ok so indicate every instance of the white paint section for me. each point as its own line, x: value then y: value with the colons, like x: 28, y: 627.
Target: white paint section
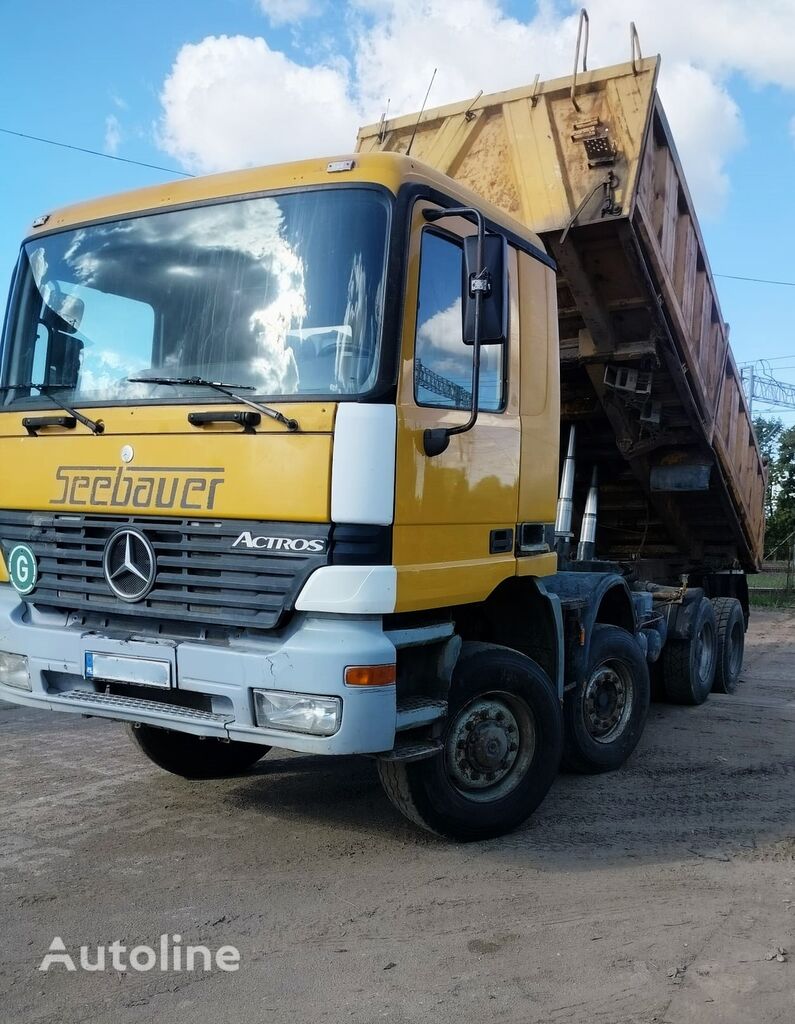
x: 363, y: 464
x: 350, y: 590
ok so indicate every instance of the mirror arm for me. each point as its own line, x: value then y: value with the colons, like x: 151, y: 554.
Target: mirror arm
x: 436, y: 440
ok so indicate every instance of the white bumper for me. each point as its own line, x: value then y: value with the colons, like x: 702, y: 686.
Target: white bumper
x: 308, y: 657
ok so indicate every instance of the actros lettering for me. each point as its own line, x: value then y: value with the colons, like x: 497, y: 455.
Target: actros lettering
x: 248, y: 540
x: 192, y: 489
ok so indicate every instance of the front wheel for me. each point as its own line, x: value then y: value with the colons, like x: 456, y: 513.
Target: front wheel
x: 605, y: 714
x: 195, y: 757
x: 501, y: 750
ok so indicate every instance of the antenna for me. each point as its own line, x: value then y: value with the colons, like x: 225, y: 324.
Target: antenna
x: 422, y: 111
x: 382, y: 125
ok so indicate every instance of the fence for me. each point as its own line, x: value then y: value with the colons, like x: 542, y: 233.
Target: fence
x: 775, y: 584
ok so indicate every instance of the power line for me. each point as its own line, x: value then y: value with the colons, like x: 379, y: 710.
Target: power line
x: 757, y: 280
x: 187, y: 174
x: 96, y: 152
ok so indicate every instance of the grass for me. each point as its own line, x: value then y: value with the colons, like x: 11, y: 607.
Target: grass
x: 781, y: 599
x: 767, y: 580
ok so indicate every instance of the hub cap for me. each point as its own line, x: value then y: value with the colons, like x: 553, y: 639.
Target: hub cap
x: 736, y: 644
x: 490, y: 746
x: 607, y: 701
x: 705, y: 648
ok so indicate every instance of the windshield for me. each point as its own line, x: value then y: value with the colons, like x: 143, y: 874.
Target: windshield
x: 282, y: 293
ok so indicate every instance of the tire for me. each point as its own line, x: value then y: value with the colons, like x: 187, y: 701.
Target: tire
x: 689, y: 665
x: 604, y: 716
x: 731, y: 643
x: 501, y: 751
x: 195, y: 757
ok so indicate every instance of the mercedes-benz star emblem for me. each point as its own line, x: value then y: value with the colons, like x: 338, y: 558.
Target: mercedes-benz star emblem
x: 130, y: 565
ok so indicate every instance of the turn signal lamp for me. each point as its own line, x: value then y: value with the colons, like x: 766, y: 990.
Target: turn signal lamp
x: 371, y: 675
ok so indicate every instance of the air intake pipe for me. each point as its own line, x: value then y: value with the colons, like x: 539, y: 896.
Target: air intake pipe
x: 563, y: 534
x: 587, y: 546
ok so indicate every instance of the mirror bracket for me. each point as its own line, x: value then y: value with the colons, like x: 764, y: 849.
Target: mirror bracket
x: 436, y: 440
x: 480, y: 283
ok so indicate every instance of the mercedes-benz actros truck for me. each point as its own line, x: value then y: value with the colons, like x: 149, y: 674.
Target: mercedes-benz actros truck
x: 435, y: 453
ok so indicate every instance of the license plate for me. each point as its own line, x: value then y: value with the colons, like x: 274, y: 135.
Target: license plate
x: 115, y: 668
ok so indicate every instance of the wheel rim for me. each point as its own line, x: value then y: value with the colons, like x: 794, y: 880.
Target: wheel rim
x: 607, y: 701
x: 705, y: 652
x: 490, y: 746
x: 735, y: 650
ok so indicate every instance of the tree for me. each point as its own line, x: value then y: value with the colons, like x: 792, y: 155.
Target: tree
x: 768, y: 434
x: 777, y: 444
x: 782, y: 523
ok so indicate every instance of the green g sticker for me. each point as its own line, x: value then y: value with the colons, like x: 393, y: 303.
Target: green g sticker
x: 22, y: 569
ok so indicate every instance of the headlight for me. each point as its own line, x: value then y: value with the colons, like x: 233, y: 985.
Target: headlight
x: 297, y: 712
x: 14, y: 671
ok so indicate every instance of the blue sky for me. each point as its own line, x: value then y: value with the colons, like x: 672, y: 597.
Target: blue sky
x: 68, y: 68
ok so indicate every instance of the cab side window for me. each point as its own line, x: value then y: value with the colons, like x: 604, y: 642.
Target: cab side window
x: 442, y: 362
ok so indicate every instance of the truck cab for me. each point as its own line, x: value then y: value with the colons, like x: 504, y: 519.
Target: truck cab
x: 219, y: 518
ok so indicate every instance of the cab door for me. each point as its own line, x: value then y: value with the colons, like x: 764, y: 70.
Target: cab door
x: 455, y: 513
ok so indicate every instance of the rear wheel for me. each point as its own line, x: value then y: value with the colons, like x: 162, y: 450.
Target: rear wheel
x: 604, y: 716
x: 731, y: 643
x: 501, y: 750
x: 195, y: 757
x: 689, y: 665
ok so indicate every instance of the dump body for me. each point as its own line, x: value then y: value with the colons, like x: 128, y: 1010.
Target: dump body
x: 590, y: 165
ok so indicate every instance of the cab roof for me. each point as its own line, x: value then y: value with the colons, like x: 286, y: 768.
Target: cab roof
x: 390, y: 170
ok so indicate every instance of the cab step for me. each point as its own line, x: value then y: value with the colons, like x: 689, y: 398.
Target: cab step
x: 412, y: 750
x: 415, y: 712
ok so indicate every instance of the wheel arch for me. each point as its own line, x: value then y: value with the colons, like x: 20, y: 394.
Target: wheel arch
x: 615, y: 608
x: 524, y: 615
x: 550, y: 619
x: 588, y: 599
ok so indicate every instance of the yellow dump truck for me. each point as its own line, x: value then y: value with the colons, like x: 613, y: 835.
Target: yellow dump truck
x: 298, y: 456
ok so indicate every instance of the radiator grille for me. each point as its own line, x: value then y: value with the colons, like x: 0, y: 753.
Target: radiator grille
x: 201, y: 578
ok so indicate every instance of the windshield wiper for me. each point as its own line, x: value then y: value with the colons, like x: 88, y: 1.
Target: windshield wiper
x: 224, y: 389
x: 95, y: 426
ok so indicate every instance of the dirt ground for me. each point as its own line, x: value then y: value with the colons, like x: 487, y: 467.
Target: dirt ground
x: 654, y: 895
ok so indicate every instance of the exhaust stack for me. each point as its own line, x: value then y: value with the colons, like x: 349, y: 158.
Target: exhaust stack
x: 587, y: 546
x: 563, y: 534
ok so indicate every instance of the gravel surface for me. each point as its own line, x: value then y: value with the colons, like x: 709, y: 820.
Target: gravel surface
x: 661, y: 893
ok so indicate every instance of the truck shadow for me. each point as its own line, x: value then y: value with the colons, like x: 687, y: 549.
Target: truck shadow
x: 700, y: 784
x: 337, y: 791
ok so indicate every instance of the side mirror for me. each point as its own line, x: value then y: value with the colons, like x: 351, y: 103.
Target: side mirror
x: 484, y: 308
x: 490, y: 281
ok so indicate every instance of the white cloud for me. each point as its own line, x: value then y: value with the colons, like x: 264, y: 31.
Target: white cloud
x: 234, y: 101
x: 443, y: 330
x: 476, y: 47
x: 472, y: 43
x: 283, y: 12
x: 707, y: 129
x: 231, y: 101
x: 720, y: 36
x: 112, y: 134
